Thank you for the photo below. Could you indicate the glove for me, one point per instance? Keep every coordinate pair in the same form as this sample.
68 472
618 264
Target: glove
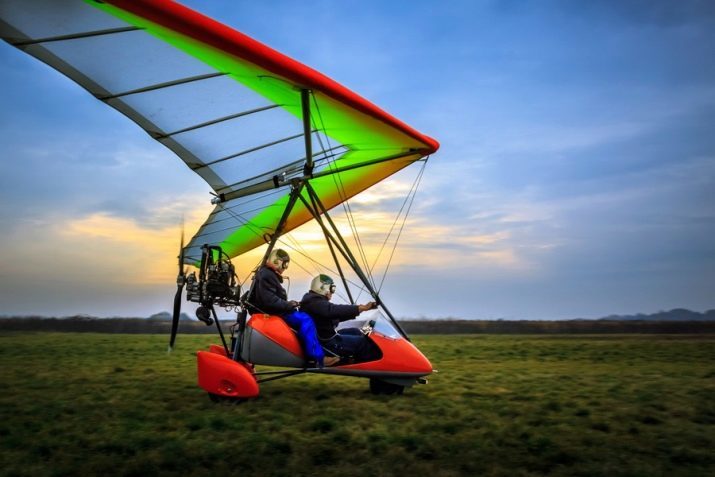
367 306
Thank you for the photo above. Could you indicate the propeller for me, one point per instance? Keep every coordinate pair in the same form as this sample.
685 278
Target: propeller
180 282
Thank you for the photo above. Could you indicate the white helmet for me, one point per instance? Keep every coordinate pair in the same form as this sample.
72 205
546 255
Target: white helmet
279 258
322 285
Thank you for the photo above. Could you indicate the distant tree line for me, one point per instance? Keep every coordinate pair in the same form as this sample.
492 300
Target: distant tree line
81 324
676 314
448 326
556 327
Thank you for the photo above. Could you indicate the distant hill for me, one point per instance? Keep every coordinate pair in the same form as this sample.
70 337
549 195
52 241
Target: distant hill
676 314
166 316
163 326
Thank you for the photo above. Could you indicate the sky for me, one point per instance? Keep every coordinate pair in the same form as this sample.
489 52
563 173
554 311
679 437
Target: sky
575 178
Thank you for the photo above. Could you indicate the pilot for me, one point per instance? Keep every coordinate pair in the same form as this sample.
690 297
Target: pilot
271 298
348 343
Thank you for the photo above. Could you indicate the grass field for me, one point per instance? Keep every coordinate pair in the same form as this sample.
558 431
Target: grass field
100 404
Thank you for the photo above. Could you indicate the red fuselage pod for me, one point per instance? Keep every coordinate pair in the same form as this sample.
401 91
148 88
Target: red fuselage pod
222 376
218 349
400 358
268 340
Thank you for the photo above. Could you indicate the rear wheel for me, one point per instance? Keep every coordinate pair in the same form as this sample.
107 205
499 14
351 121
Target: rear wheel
218 399
378 386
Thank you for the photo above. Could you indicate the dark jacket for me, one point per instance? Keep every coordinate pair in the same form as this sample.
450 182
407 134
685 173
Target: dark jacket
326 315
269 296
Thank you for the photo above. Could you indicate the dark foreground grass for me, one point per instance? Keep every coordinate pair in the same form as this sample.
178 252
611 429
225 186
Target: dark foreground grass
90 404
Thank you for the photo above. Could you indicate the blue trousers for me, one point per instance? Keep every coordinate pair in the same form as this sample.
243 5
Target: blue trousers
349 342
303 324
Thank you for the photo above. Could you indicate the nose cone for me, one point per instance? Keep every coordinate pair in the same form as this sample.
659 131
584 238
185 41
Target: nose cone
400 356
419 361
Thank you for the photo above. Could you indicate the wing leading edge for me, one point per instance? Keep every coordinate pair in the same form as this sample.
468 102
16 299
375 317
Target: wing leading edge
227 105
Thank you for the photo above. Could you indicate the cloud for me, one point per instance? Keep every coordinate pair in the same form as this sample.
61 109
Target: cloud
98 246
72 172
660 13
576 168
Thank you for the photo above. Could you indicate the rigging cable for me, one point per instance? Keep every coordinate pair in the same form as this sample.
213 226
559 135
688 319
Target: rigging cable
345 203
250 226
410 193
316 264
298 247
340 187
387 267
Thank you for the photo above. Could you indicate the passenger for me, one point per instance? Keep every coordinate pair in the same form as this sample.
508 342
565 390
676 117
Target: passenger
270 297
348 343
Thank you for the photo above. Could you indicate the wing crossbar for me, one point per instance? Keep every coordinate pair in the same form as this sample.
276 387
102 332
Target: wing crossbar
73 36
247 151
166 84
273 184
218 120
327 154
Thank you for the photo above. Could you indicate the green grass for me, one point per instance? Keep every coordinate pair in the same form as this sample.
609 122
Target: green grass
90 404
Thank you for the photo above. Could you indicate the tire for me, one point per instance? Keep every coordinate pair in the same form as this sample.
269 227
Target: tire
218 399
378 386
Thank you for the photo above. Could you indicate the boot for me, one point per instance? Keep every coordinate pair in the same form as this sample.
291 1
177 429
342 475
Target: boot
331 360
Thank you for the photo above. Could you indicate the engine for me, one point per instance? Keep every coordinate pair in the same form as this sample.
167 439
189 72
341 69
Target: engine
216 283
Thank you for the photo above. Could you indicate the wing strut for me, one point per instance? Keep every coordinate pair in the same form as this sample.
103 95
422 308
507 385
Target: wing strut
297 186
332 250
339 243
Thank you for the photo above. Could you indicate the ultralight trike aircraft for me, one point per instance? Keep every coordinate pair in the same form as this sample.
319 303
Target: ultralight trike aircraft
279 143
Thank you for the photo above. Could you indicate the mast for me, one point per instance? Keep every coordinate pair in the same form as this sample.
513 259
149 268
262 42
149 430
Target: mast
334 239
307 130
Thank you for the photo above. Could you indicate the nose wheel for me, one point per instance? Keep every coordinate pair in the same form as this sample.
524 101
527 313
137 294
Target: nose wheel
378 386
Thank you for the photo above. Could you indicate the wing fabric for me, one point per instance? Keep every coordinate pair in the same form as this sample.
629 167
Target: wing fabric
227 105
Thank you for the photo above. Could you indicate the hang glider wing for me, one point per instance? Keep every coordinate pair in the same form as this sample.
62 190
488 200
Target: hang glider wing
227 105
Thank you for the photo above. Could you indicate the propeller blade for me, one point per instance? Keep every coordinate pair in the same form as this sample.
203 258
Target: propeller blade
176 316
181 246
180 281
